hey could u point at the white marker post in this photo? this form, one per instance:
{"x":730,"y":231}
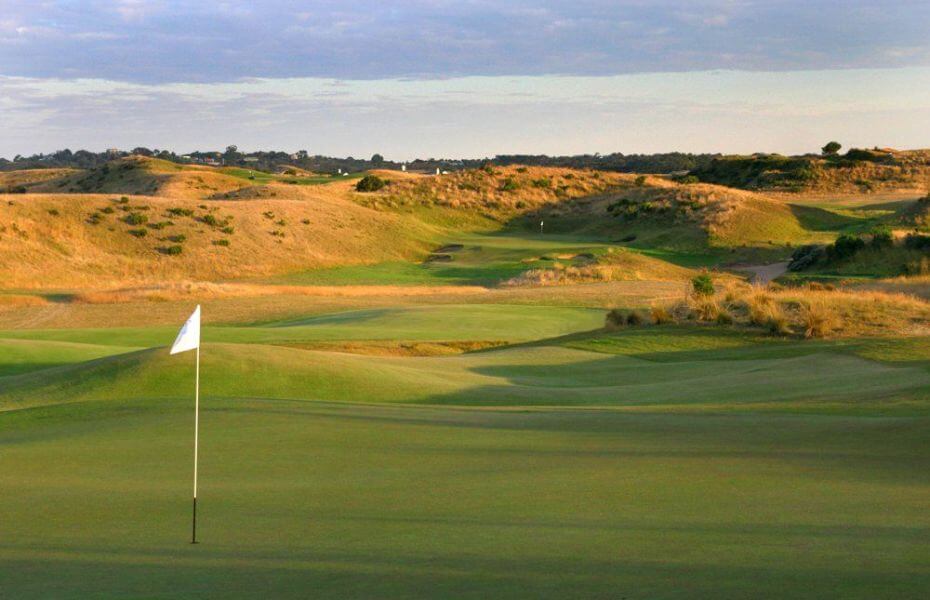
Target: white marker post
{"x":189,"y":339}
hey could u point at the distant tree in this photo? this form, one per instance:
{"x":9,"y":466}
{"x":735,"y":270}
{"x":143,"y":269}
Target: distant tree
{"x":369,"y":183}
{"x":142,"y":150}
{"x":831,"y":148}
{"x":232,"y":149}
{"x":377,"y":159}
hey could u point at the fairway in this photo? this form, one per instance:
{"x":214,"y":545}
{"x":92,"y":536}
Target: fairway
{"x":363,"y":501}
{"x":676,"y":462}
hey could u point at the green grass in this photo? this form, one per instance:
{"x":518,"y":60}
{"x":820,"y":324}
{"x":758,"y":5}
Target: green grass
{"x":421,"y":323}
{"x":263,"y":177}
{"x":485,"y":259}
{"x":661,"y":462}
{"x":380,"y":502}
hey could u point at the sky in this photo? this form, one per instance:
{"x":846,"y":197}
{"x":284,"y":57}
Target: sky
{"x":432,"y":78}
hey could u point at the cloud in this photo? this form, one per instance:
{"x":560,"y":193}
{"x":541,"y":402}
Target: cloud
{"x":145,"y":41}
{"x":475,"y":116}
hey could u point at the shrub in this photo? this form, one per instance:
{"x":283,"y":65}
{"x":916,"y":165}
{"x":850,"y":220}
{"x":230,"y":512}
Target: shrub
{"x":915,"y":241}
{"x":818,"y":320}
{"x":221,"y":242}
{"x":181,"y":212}
{"x":660,"y":315}
{"x":209,"y":220}
{"x":688,"y":180}
{"x":139,"y":233}
{"x":542,"y":182}
{"x":845,"y":246}
{"x":160,"y":225}
{"x":705,"y":308}
{"x":618,"y":318}
{"x":228,"y":230}
{"x":806,"y":256}
{"x":521,"y":169}
{"x":703,"y":285}
{"x":831,"y":148}
{"x":509,"y":185}
{"x":95,"y":218}
{"x":123,"y":200}
{"x":108,"y":210}
{"x":369,"y":183}
{"x":882,"y":238}
{"x":640,"y":181}
{"x":171,"y":250}
{"x":177,"y":239}
{"x":135,"y":219}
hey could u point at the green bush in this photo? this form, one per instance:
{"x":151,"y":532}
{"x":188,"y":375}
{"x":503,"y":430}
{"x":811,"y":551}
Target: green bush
{"x":369,"y":183}
{"x":221,"y":242}
{"x":172,"y":250}
{"x":53,"y":211}
{"x":845,"y":247}
{"x":617,"y":318}
{"x":135,"y":219}
{"x":228,"y":230}
{"x":882,"y":237}
{"x":509,"y":185}
{"x":703,"y":285}
{"x":139,"y":233}
{"x":181,"y":212}
{"x":542,"y":182}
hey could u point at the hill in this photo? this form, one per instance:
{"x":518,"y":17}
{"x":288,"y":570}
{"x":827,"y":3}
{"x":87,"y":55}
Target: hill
{"x":92,"y":240}
{"x":139,"y":175}
{"x":18,"y":182}
{"x":858,"y":170}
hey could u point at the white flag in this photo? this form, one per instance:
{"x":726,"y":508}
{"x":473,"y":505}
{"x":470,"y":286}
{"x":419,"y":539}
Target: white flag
{"x":189,"y":336}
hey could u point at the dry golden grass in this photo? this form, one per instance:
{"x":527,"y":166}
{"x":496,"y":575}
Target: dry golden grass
{"x":8,"y":301}
{"x":199,"y":290}
{"x":617,"y":264}
{"x":30,"y":177}
{"x":809,"y":312}
{"x":47,"y":241}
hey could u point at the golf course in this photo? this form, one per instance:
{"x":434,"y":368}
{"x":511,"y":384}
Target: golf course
{"x":415,"y":392}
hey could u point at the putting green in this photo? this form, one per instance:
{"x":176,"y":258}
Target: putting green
{"x":363,"y":501}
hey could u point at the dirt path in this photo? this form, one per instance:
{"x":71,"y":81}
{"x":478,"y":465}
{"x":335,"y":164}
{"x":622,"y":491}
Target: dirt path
{"x":763,"y":274}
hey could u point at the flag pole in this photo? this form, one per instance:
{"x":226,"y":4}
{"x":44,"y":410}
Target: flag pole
{"x":196,"y":442}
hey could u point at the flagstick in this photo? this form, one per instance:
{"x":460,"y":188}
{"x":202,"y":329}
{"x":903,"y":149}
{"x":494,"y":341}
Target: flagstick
{"x":196,"y":441}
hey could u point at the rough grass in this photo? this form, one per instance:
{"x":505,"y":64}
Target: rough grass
{"x":814,"y":311}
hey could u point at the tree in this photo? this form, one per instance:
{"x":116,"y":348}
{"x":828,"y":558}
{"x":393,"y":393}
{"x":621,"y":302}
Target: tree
{"x":232,"y":149}
{"x":377,"y":159}
{"x":369,"y":183}
{"x":832,"y":148}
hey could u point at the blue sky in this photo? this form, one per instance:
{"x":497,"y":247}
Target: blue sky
{"x":465,"y":78}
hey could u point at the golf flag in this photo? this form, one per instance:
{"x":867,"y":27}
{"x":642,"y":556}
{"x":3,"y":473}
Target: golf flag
{"x":189,"y":339}
{"x":189,"y":336}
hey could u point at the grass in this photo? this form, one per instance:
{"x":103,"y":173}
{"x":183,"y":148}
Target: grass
{"x":263,"y":178}
{"x":461,"y":504}
{"x":393,"y":433}
{"x":665,"y":462}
